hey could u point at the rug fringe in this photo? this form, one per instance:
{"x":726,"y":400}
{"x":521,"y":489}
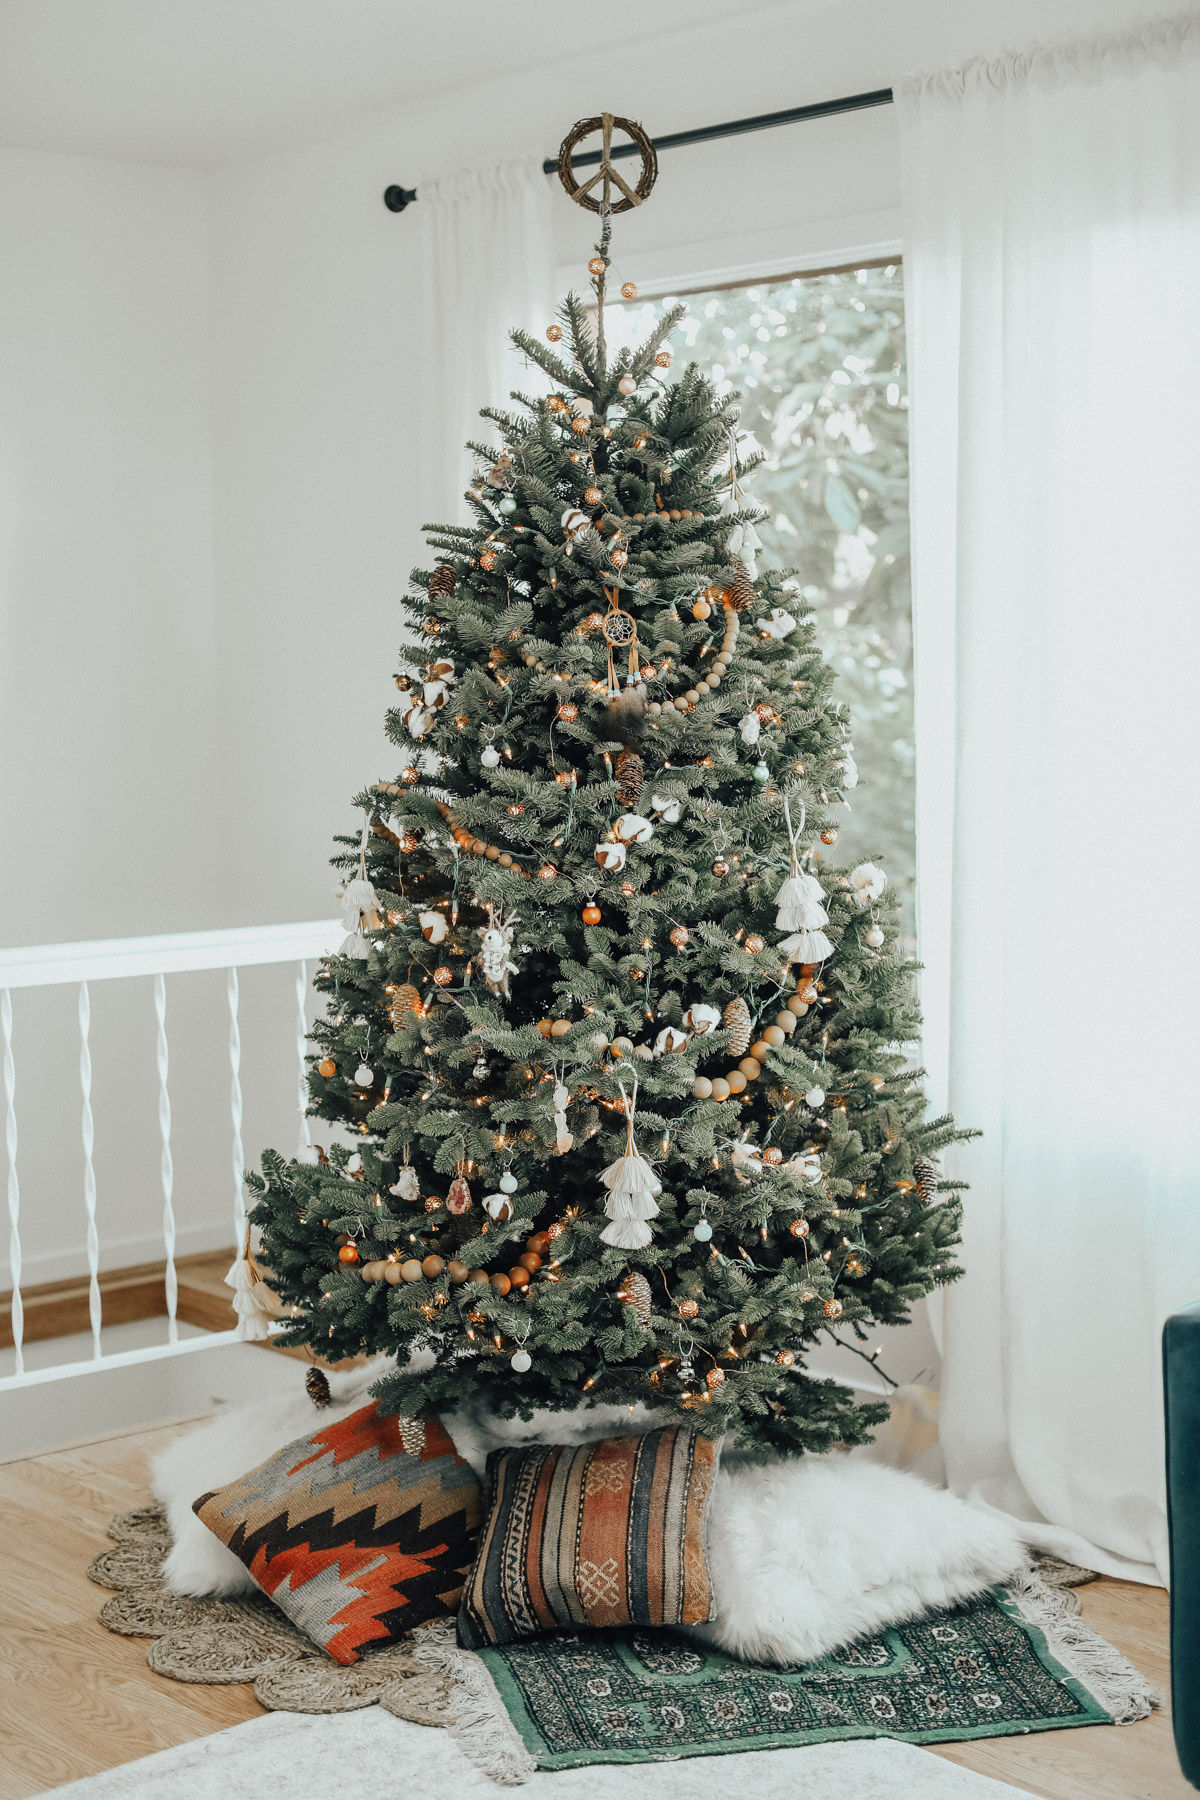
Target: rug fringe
{"x":477,"y":1719}
{"x":1109,"y":1677}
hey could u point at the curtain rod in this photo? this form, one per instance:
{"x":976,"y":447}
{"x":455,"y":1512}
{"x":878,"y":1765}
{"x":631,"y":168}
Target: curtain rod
{"x":396,"y":198}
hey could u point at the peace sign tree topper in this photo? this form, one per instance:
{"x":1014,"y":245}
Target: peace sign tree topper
{"x":606,"y":175}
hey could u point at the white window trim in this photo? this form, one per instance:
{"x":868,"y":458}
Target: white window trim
{"x":757,"y":256}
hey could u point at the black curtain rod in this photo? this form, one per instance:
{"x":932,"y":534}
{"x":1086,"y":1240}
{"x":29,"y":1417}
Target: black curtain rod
{"x":396,"y":198}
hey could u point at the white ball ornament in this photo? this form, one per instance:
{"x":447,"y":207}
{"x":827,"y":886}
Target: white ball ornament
{"x":702,"y":1231}
{"x":875,"y":936}
{"x":815,"y":1097}
{"x":521,"y":1361}
{"x":489,"y":757}
{"x":364,"y":1075}
{"x":508,"y":1183}
{"x":627,"y":384}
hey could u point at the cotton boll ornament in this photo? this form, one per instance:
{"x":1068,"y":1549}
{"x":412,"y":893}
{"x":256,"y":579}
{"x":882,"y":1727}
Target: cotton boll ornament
{"x":433,"y":926}
{"x":498,"y":1207}
{"x":700,"y":1017}
{"x":667,"y":808}
{"x":868,"y":882}
{"x":669,"y":1040}
{"x":611,"y":857}
{"x":777,"y":624}
{"x":575,"y":524}
{"x":632,"y":828}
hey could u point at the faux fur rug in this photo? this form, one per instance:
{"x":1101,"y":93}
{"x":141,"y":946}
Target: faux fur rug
{"x":376,"y":1757}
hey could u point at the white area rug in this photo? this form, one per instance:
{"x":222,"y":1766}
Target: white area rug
{"x":370,"y":1755}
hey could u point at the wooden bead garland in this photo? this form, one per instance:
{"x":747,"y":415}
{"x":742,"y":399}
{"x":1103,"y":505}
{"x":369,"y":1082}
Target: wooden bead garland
{"x":749,"y":1067}
{"x":686,"y":701}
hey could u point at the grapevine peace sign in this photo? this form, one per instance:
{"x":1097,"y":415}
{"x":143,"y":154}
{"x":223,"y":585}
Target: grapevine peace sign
{"x":581,"y":192}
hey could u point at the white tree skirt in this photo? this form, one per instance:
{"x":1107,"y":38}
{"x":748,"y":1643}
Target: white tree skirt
{"x":371,"y":1755}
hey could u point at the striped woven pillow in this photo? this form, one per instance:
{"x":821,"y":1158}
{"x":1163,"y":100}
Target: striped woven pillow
{"x":358,"y":1532}
{"x":607,"y":1533}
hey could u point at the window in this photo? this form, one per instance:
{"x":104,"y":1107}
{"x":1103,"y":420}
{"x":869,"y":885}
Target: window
{"x":819,"y":361}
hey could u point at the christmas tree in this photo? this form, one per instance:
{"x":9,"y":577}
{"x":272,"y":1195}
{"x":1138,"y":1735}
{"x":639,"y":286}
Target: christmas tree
{"x":620,"y":1054}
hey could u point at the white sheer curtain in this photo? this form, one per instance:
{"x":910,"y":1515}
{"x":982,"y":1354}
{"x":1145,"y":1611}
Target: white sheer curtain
{"x":491,"y":263}
{"x":1053,"y":260}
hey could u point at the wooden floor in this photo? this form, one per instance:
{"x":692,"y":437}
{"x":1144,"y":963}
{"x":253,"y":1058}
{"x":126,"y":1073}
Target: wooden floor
{"x":74,"y":1699}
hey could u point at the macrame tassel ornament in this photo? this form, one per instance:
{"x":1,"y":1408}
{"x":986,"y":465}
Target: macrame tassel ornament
{"x":801,"y":910}
{"x":360,"y":906}
{"x":632,"y":1186}
{"x":252,"y":1299}
{"x":563,"y":1139}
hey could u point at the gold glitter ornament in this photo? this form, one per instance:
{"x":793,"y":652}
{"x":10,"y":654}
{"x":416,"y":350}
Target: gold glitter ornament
{"x":554,"y":333}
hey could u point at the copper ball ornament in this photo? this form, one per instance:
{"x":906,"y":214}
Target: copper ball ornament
{"x":629,"y":290}
{"x":590,"y":915}
{"x":715,"y":1378}
{"x":348,"y":1253}
{"x":554,"y":333}
{"x":680,"y":936}
{"x":688,"y":1309}
{"x":327,"y":1067}
{"x":442,"y":975}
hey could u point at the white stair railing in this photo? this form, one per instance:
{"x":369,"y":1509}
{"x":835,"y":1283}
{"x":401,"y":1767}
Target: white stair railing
{"x":52,"y":965}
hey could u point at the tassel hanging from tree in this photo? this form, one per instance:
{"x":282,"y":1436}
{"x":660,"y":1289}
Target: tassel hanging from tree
{"x":252,"y":1298}
{"x":800,"y":907}
{"x":632,"y":1186}
{"x":360,"y":905}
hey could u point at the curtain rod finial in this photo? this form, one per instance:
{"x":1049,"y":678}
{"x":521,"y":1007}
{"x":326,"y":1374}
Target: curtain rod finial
{"x":396,"y":198}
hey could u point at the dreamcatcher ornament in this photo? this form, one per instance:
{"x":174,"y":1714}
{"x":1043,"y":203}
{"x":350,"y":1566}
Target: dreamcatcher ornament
{"x":801,"y":911}
{"x":620,"y":630}
{"x":632,"y":1186}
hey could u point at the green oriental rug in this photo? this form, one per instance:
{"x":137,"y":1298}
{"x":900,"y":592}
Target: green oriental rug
{"x":1016,"y":1660}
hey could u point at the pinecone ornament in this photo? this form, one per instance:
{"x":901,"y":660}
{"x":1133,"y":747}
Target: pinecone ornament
{"x":634,"y":1291}
{"x":925,"y":1174}
{"x":737,"y":1024}
{"x":443,"y":580}
{"x":405,"y":1000}
{"x":631,"y":774}
{"x":316,"y":1383}
{"x":739,"y":587}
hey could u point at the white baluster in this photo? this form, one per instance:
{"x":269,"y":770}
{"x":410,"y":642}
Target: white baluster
{"x":168,"y":1167}
{"x":235,"y":1113}
{"x":89,"y":1172}
{"x":305,"y":1149}
{"x":14,"y":1191}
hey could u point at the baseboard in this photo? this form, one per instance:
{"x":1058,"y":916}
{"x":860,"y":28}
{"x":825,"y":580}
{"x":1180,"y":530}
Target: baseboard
{"x":55,"y":1309}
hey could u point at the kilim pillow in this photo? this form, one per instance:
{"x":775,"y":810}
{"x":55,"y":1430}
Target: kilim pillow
{"x":606,"y":1533}
{"x":358,"y":1532}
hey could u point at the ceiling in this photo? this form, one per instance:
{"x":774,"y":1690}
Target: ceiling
{"x":199,"y":82}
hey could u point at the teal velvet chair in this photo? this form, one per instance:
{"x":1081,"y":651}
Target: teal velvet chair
{"x":1181,"y":1390}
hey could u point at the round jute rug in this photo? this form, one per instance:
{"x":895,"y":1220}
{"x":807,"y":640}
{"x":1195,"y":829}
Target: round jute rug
{"x":249,"y":1640}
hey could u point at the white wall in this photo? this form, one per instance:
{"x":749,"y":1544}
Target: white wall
{"x":108,"y":808}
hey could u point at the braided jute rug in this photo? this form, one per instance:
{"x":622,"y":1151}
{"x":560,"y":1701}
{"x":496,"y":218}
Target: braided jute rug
{"x":213,"y":1641}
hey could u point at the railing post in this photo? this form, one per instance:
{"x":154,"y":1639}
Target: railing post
{"x":305,"y":1149}
{"x":235,"y":1112}
{"x":89,"y":1172}
{"x":167,"y":1166}
{"x":14,"y":1190}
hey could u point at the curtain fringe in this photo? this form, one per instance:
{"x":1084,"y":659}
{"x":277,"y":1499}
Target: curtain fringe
{"x":1109,"y":1677}
{"x":1058,"y":64}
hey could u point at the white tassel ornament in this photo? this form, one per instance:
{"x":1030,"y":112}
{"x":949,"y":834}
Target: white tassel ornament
{"x":563,"y":1139}
{"x":632,"y":1186}
{"x":252,"y":1299}
{"x":799,"y":902}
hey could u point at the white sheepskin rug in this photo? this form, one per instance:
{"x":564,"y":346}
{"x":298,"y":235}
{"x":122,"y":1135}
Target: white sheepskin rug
{"x":809,"y":1554}
{"x":805,"y":1555}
